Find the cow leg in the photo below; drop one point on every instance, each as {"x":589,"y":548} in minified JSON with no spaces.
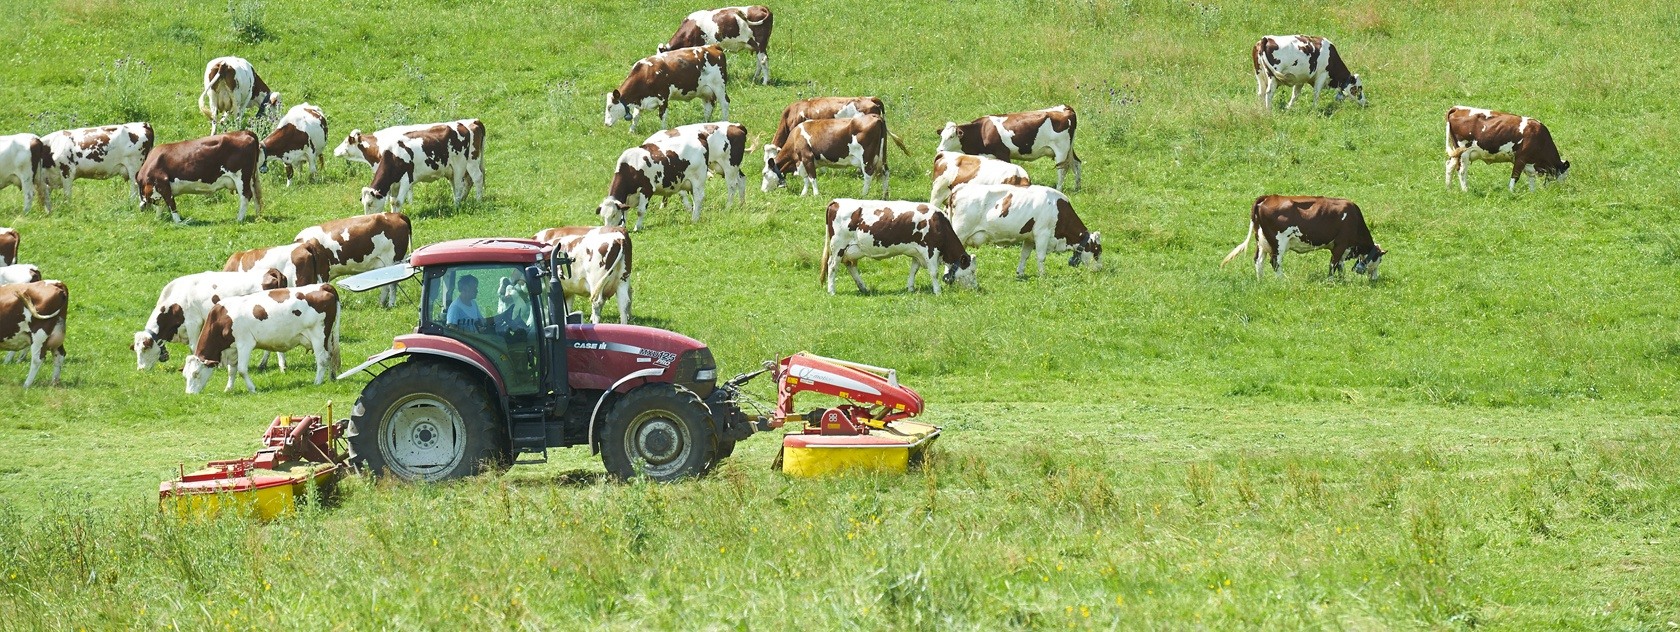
{"x":1277,"y":254}
{"x":58,"y":363}
{"x":169,"y":201}
{"x":1337,"y":252}
{"x":866,"y":180}
{"x":1449,"y":174}
{"x":388,"y":296}
{"x":723,"y":104}
{"x":457,"y":186}
{"x":1260,"y":88}
{"x":641,"y":213}
{"x":914,"y":268}
{"x":244,"y":192}
{"x":35,"y":357}
{"x":1042,"y":247}
{"x":245,"y":368}
{"x":853,"y":267}
{"x":623,"y":295}
{"x":280,"y":358}
{"x":699,"y":196}
{"x":1021,"y":268}
{"x":663,"y":108}
{"x":1516,"y":173}
{"x":1294,"y":92}
{"x":1317,"y":86}
{"x":1463,"y":168}
{"x":764,"y":66}
{"x":832,"y":265}
{"x":705,"y":110}
{"x":886,"y":178}
{"x":71,"y":179}
{"x":323,"y":357}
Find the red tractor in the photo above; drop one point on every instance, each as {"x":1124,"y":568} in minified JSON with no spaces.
{"x":498,"y":367}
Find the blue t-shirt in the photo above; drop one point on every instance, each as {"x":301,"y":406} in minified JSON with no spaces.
{"x":463,"y":313}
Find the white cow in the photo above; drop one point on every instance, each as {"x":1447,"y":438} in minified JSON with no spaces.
{"x":1301,"y":60}
{"x":298,"y":140}
{"x":99,"y":153}
{"x":184,"y":303}
{"x":1046,"y":133}
{"x":19,"y":273}
{"x":649,"y":170}
{"x":232,"y":86}
{"x":25,"y":162}
{"x":726,"y":147}
{"x":601,"y":265}
{"x":952,"y":169}
{"x":1037,"y":217}
{"x":276,"y":320}
{"x":859,"y":229}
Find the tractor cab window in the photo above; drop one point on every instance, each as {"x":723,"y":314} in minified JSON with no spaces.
{"x":488,"y":307}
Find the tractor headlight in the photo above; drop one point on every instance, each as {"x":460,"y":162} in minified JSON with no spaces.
{"x":705,"y":375}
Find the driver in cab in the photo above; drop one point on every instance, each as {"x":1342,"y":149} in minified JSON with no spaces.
{"x":463,"y":312}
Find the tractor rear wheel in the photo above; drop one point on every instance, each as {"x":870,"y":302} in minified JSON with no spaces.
{"x":661,"y":431}
{"x":427,"y":421}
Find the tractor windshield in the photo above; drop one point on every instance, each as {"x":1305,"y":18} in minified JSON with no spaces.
{"x":489,"y":307}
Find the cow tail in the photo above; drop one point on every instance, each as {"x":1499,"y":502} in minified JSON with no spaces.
{"x":203,"y":104}
{"x":1255,"y":214}
{"x":828,"y":240}
{"x":900,"y":142}
{"x":29,"y":306}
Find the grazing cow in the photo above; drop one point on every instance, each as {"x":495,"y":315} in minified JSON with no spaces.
{"x":303,"y":262}
{"x":276,"y":320}
{"x":684,"y":74}
{"x":32,"y":317}
{"x":454,"y":151}
{"x":98,"y":153}
{"x":859,"y":229}
{"x":824,"y":108}
{"x":8,"y":246}
{"x":363,"y":148}
{"x":1304,"y":224}
{"x":650,"y":170}
{"x":26,"y":162}
{"x":952,"y":169}
{"x":184,"y":303}
{"x":203,"y":166}
{"x":299,"y":139}
{"x":1037,"y":217}
{"x":362,"y":243}
{"x":231,"y":86}
{"x":859,"y":142}
{"x":1301,"y":60}
{"x":726,"y":147}
{"x":732,"y":28}
{"x":600,"y":265}
{"x":19,"y":273}
{"x":1020,"y":136}
{"x":1489,"y":136}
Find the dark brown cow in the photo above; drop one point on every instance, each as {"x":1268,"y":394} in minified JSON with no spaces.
{"x":9,"y":240}
{"x":362,"y":243}
{"x":32,"y":317}
{"x":860,"y":142}
{"x":1020,"y":136}
{"x":203,"y":166}
{"x":1489,"y":136}
{"x":302,"y":262}
{"x":733,"y":28}
{"x":1308,"y":223}
{"x":859,"y":229}
{"x":684,"y":74}
{"x":828,"y":108}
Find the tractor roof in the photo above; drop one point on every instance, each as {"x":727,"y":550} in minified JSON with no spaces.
{"x":481,"y":250}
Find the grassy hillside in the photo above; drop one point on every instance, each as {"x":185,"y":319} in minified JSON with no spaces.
{"x":1483,"y":437}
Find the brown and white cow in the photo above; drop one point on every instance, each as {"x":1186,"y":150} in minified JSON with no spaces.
{"x":183,"y":304}
{"x":1038,"y":217}
{"x":232,"y":86}
{"x":1489,"y":136}
{"x":32,"y":317}
{"x":683,"y":74}
{"x":726,"y":148}
{"x":732,"y":28}
{"x":1020,"y":136}
{"x":26,"y":162}
{"x":824,"y":108}
{"x":303,"y":262}
{"x":9,"y":240}
{"x":19,"y":273}
{"x":362,"y":243}
{"x":952,"y":169}
{"x":859,"y":142}
{"x":299,"y":139}
{"x":363,"y":148}
{"x":859,"y":229}
{"x":662,"y":169}
{"x":98,"y":153}
{"x":601,"y":265}
{"x":1302,"y":60}
{"x":454,"y":151}
{"x":1307,"y":223}
{"x":203,"y":166}
{"x":275,"y":320}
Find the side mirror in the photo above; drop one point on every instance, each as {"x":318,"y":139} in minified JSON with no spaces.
{"x":551,"y":332}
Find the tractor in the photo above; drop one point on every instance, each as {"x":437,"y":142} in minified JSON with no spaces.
{"x":498,"y":367}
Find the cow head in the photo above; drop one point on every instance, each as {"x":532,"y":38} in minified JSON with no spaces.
{"x":513,"y":303}
{"x":1354,"y":89}
{"x":612,"y":212}
{"x":373,"y":201}
{"x":1562,"y":170}
{"x":148,"y":195}
{"x":198,"y":372}
{"x":1091,"y":247}
{"x":350,"y":149}
{"x":270,"y":104}
{"x":950,"y":137}
{"x":1368,"y":261}
{"x":617,"y":109}
{"x":773,"y":175}
{"x":148,"y":350}
{"x":963,"y":271}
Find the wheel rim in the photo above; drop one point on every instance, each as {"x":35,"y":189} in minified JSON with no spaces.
{"x":660,"y":442}
{"x":423,"y":437}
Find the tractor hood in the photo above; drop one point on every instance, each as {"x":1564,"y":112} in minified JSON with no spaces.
{"x":601,"y":354}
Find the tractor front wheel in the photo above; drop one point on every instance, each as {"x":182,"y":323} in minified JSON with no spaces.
{"x":427,"y":421}
{"x":658,"y":430}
